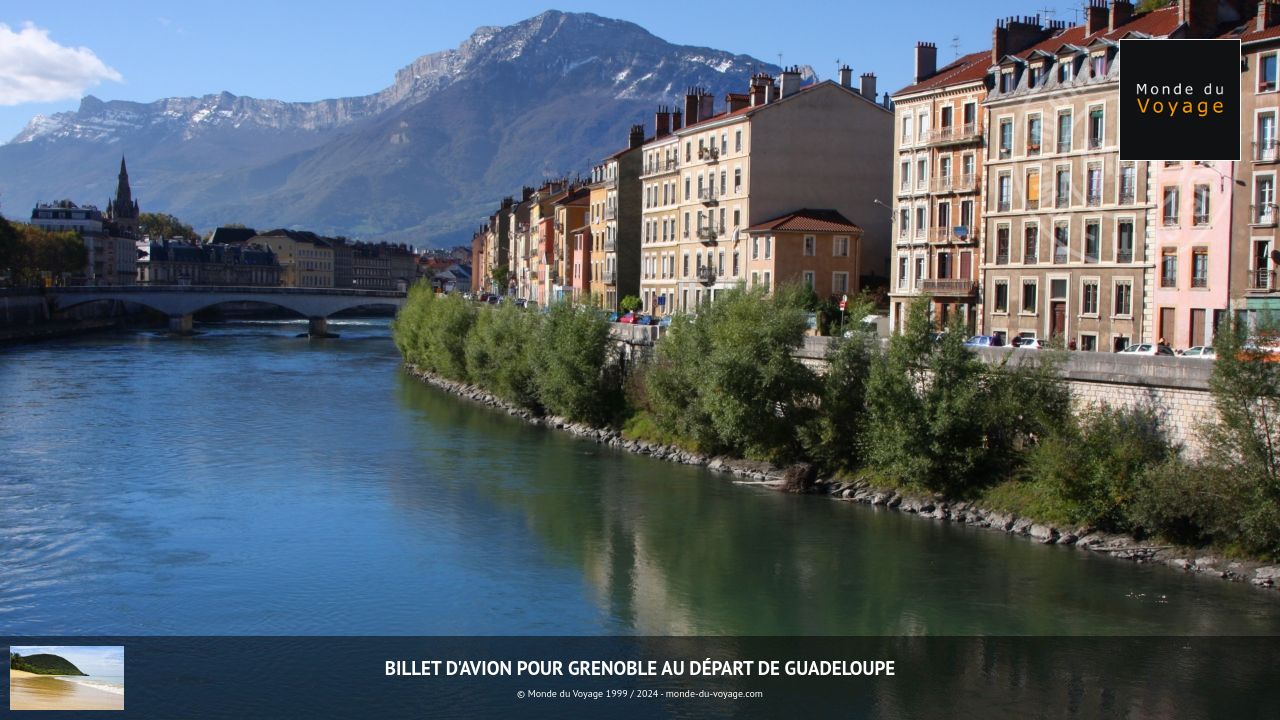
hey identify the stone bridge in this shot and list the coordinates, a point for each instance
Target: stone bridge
(180, 302)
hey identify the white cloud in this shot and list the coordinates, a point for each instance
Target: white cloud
(34, 68)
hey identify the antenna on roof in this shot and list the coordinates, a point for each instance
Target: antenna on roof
(955, 45)
(780, 59)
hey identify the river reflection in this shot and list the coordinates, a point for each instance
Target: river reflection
(250, 482)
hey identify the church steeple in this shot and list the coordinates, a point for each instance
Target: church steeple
(123, 210)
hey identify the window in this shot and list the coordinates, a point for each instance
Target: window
(944, 266)
(810, 245)
(902, 272)
(1004, 190)
(970, 116)
(1200, 268)
(1031, 244)
(966, 215)
(766, 281)
(1124, 241)
(840, 246)
(1202, 205)
(1062, 193)
(1006, 138)
(1064, 71)
(1061, 243)
(1006, 81)
(944, 217)
(1170, 206)
(922, 221)
(737, 180)
(944, 170)
(1099, 63)
(904, 222)
(1002, 296)
(1168, 268)
(1092, 240)
(839, 283)
(905, 182)
(768, 247)
(737, 217)
(1032, 200)
(1124, 298)
(1002, 245)
(735, 263)
(1265, 200)
(1128, 183)
(686, 187)
(1088, 342)
(737, 141)
(1033, 135)
(1064, 132)
(686, 264)
(1089, 297)
(919, 269)
(922, 173)
(1096, 132)
(1033, 75)
(808, 279)
(1093, 185)
(1267, 72)
(1029, 290)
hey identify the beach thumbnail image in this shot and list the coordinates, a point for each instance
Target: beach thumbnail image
(66, 677)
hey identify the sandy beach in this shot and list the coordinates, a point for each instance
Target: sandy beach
(28, 691)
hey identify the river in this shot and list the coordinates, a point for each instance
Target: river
(249, 482)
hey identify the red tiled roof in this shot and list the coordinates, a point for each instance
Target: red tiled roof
(965, 69)
(807, 220)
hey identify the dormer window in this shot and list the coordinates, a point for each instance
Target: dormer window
(1033, 77)
(1099, 62)
(1064, 70)
(1006, 81)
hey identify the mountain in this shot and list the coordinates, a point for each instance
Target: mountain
(43, 664)
(420, 162)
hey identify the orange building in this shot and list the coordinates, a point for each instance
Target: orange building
(819, 248)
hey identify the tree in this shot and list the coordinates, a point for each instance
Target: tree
(501, 276)
(836, 438)
(1149, 5)
(162, 225)
(569, 364)
(630, 303)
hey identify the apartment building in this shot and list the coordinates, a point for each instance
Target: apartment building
(595, 235)
(518, 244)
(937, 179)
(305, 259)
(1255, 251)
(1192, 249)
(570, 210)
(622, 219)
(659, 180)
(819, 248)
(774, 150)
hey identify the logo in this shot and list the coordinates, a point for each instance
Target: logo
(1179, 99)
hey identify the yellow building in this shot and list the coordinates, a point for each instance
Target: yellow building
(305, 259)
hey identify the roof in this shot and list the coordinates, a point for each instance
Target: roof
(1248, 32)
(965, 69)
(807, 220)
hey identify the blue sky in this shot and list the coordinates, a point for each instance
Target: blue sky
(51, 54)
(91, 659)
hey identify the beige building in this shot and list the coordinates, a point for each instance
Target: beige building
(937, 179)
(305, 259)
(776, 149)
(593, 274)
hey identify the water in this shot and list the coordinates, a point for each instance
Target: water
(249, 482)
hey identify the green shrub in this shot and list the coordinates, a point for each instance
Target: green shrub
(446, 322)
(569, 364)
(499, 351)
(410, 322)
(1097, 464)
(836, 437)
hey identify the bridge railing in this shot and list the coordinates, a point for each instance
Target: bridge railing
(236, 289)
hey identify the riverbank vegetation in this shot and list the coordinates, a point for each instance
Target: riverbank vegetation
(29, 253)
(923, 415)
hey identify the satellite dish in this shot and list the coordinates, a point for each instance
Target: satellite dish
(961, 231)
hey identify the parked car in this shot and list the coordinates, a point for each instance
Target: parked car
(645, 320)
(664, 321)
(614, 317)
(984, 341)
(1205, 352)
(628, 319)
(1148, 349)
(1027, 343)
(494, 299)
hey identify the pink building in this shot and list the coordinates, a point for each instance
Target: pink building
(581, 267)
(1191, 250)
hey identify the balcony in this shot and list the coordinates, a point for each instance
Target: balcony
(1030, 256)
(610, 212)
(709, 233)
(1261, 280)
(1263, 214)
(1265, 152)
(1200, 219)
(948, 235)
(951, 288)
(1003, 205)
(1095, 143)
(1033, 149)
(609, 277)
(1060, 256)
(1061, 201)
(1064, 146)
(1093, 200)
(710, 154)
(953, 135)
(1124, 255)
(1199, 281)
(610, 244)
(708, 196)
(1032, 203)
(1002, 258)
(1005, 153)
(1126, 196)
(706, 274)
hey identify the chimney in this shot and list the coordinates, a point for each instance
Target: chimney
(691, 106)
(1268, 14)
(636, 139)
(1095, 16)
(846, 76)
(526, 193)
(770, 92)
(735, 101)
(1200, 17)
(1015, 34)
(662, 122)
(1121, 11)
(759, 82)
(677, 120)
(790, 81)
(706, 104)
(926, 60)
(868, 88)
